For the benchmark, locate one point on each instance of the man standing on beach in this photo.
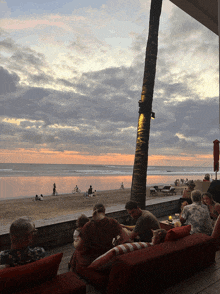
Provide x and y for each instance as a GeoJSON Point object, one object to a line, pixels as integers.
{"type": "Point", "coordinates": [145, 222]}
{"type": "Point", "coordinates": [54, 189]}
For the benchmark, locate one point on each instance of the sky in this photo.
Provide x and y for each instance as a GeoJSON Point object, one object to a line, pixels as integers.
{"type": "Point", "coordinates": [71, 75]}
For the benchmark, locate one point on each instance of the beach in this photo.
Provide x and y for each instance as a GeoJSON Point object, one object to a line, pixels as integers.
{"type": "Point", "coordinates": [18, 180]}
{"type": "Point", "coordinates": [64, 204]}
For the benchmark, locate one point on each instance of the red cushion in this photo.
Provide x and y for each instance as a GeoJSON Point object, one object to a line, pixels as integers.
{"type": "Point", "coordinates": [13, 279]}
{"type": "Point", "coordinates": [61, 284]}
{"type": "Point", "coordinates": [103, 261]}
{"type": "Point", "coordinates": [177, 233]}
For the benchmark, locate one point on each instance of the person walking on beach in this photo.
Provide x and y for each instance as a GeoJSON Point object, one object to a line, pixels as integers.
{"type": "Point", "coordinates": [90, 191]}
{"type": "Point", "coordinates": [122, 186]}
{"type": "Point", "coordinates": [22, 233]}
{"type": "Point", "coordinates": [145, 222]}
{"type": "Point", "coordinates": [54, 189]}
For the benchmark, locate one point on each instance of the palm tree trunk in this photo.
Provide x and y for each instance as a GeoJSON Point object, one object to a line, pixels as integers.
{"type": "Point", "coordinates": [138, 188]}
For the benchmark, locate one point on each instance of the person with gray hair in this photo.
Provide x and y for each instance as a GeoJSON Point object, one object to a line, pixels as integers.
{"type": "Point", "coordinates": [22, 233]}
{"type": "Point", "coordinates": [197, 215]}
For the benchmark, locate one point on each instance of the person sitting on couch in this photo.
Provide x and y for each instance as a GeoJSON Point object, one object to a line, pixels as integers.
{"type": "Point", "coordinates": [95, 238]}
{"type": "Point", "coordinates": [145, 222]}
{"type": "Point", "coordinates": [213, 207]}
{"type": "Point", "coordinates": [197, 215]}
{"type": "Point", "coordinates": [22, 232]}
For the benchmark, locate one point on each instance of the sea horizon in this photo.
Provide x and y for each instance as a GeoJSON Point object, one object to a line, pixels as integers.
{"type": "Point", "coordinates": [20, 180]}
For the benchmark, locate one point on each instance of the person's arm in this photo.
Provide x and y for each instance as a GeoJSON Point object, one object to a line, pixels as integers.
{"type": "Point", "coordinates": [133, 235]}
{"type": "Point", "coordinates": [182, 220]}
{"type": "Point", "coordinates": [131, 228]}
{"type": "Point", "coordinates": [217, 208]}
{"type": "Point", "coordinates": [183, 216]}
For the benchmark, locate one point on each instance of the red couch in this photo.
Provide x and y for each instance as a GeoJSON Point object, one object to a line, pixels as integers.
{"type": "Point", "coordinates": [40, 277]}
{"type": "Point", "coordinates": [153, 269]}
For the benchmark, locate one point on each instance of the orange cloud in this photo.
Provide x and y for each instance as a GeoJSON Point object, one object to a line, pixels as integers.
{"type": "Point", "coordinates": [73, 157]}
{"type": "Point", "coordinates": [181, 160]}
{"type": "Point", "coordinates": [49, 156]}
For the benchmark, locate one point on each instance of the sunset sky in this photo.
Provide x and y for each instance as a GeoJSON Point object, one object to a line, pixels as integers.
{"type": "Point", "coordinates": [71, 75]}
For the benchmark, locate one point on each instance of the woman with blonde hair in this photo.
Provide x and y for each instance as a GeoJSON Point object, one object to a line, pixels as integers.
{"type": "Point", "coordinates": [95, 238]}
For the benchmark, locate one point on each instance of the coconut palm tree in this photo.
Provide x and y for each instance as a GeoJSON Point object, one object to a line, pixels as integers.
{"type": "Point", "coordinates": [138, 188]}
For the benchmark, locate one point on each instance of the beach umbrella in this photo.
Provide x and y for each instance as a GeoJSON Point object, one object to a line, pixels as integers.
{"type": "Point", "coordinates": [138, 187]}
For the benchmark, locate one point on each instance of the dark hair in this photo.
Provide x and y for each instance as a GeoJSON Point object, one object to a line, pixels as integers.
{"type": "Point", "coordinates": [131, 205]}
{"type": "Point", "coordinates": [209, 195]}
{"type": "Point", "coordinates": [207, 177]}
{"type": "Point", "coordinates": [99, 207]}
{"type": "Point", "coordinates": [82, 220]}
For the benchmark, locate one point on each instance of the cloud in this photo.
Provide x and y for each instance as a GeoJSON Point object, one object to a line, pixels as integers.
{"type": "Point", "coordinates": [82, 94]}
{"type": "Point", "coordinates": [8, 82]}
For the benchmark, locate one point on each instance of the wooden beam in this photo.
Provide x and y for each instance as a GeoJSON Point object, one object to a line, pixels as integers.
{"type": "Point", "coordinates": [204, 11]}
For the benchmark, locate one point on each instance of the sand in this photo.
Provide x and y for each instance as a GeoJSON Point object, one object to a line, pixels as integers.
{"type": "Point", "coordinates": [54, 206]}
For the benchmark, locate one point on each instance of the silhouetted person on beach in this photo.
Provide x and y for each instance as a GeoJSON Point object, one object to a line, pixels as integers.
{"type": "Point", "coordinates": [90, 191]}
{"type": "Point", "coordinates": [54, 189]}
{"type": "Point", "coordinates": [122, 186]}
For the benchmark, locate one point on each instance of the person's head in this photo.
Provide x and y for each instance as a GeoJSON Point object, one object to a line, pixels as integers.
{"type": "Point", "coordinates": [22, 231]}
{"type": "Point", "coordinates": [158, 236]}
{"type": "Point", "coordinates": [133, 209]}
{"type": "Point", "coordinates": [207, 177]}
{"type": "Point", "coordinates": [196, 196]}
{"type": "Point", "coordinates": [82, 220]}
{"type": "Point", "coordinates": [207, 198]}
{"type": "Point", "coordinates": [98, 208]}
{"type": "Point", "coordinates": [191, 185]}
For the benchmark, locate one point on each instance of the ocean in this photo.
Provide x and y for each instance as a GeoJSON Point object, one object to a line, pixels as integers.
{"type": "Point", "coordinates": [27, 180]}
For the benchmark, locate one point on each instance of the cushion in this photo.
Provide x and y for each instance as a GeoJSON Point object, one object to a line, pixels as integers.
{"type": "Point", "coordinates": [177, 233]}
{"type": "Point", "coordinates": [104, 260]}
{"type": "Point", "coordinates": [13, 279]}
{"type": "Point", "coordinates": [62, 284]}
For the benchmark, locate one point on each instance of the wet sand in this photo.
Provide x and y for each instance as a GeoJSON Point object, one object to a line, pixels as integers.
{"type": "Point", "coordinates": [54, 206]}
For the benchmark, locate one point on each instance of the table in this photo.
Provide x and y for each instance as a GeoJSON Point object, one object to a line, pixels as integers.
{"type": "Point", "coordinates": [166, 225]}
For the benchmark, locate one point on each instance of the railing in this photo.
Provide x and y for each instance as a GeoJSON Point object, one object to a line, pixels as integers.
{"type": "Point", "coordinates": [59, 231]}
